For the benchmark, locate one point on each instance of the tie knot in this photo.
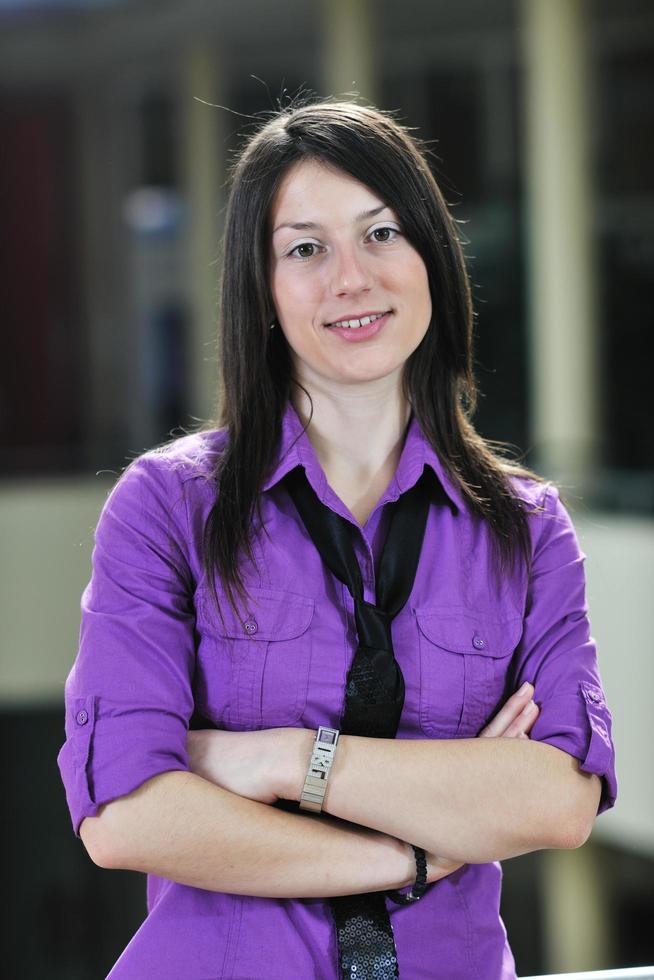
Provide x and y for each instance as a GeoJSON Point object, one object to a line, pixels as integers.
{"type": "Point", "coordinates": [373, 625]}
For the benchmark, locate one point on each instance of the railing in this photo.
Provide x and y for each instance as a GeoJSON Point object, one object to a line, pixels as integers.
{"type": "Point", "coordinates": [632, 973]}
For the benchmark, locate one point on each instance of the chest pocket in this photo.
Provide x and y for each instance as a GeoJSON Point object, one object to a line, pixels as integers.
{"type": "Point", "coordinates": [253, 672]}
{"type": "Point", "coordinates": [464, 661]}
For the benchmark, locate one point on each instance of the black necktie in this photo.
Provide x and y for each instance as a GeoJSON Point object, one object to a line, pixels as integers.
{"type": "Point", "coordinates": [374, 694]}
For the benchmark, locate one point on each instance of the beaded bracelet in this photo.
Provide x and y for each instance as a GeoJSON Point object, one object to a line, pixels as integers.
{"type": "Point", "coordinates": [420, 886]}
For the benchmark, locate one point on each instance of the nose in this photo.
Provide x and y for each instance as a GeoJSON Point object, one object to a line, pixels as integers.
{"type": "Point", "coordinates": [350, 271]}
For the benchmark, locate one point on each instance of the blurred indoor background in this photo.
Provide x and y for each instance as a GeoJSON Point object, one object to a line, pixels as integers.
{"type": "Point", "coordinates": [118, 121]}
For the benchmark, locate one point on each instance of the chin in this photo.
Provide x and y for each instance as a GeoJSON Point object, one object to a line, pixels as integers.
{"type": "Point", "coordinates": [369, 375]}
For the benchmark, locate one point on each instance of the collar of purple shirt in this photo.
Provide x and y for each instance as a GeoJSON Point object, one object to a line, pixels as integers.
{"type": "Point", "coordinates": [296, 449]}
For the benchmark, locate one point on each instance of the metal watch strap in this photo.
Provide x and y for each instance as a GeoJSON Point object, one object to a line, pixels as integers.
{"type": "Point", "coordinates": [322, 756]}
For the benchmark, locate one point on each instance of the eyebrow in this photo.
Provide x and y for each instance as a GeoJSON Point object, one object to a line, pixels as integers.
{"type": "Point", "coordinates": [314, 226]}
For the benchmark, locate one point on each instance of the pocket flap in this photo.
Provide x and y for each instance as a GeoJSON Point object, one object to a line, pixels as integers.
{"type": "Point", "coordinates": [270, 614]}
{"type": "Point", "coordinates": [465, 633]}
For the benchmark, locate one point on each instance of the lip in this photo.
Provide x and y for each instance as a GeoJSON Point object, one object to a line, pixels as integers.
{"type": "Point", "coordinates": [362, 333]}
{"type": "Point", "coordinates": [356, 316]}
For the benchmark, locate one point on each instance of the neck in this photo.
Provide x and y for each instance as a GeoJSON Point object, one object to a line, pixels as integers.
{"type": "Point", "coordinates": [358, 434]}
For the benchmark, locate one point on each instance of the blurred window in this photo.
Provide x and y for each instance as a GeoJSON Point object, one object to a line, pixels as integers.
{"type": "Point", "coordinates": [624, 120]}
{"type": "Point", "coordinates": [42, 343]}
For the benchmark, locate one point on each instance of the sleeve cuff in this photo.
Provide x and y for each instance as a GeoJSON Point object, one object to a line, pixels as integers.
{"type": "Point", "coordinates": [581, 726]}
{"type": "Point", "coordinates": [111, 749]}
{"type": "Point", "coordinates": [600, 757]}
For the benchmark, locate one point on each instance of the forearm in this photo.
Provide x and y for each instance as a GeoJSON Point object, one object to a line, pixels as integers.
{"type": "Point", "coordinates": [472, 800]}
{"type": "Point", "coordinates": [179, 826]}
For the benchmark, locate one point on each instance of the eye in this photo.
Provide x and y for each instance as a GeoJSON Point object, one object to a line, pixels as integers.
{"type": "Point", "coordinates": [388, 234]}
{"type": "Point", "coordinates": [303, 245]}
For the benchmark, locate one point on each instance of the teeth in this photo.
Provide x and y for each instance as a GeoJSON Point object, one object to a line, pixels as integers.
{"type": "Point", "coordinates": [355, 324]}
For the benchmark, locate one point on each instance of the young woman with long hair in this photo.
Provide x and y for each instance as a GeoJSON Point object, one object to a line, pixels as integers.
{"type": "Point", "coordinates": [335, 660]}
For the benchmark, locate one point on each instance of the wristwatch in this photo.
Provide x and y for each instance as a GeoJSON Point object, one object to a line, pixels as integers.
{"type": "Point", "coordinates": [322, 757]}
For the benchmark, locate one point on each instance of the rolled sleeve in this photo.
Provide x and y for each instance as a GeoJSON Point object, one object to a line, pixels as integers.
{"type": "Point", "coordinates": [129, 694]}
{"type": "Point", "coordinates": [558, 655]}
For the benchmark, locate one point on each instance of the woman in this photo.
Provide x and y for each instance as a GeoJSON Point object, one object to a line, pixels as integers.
{"type": "Point", "coordinates": [346, 360]}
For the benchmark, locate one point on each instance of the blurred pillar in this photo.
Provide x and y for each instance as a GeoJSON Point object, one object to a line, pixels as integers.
{"type": "Point", "coordinates": [563, 324]}
{"type": "Point", "coordinates": [348, 46]}
{"type": "Point", "coordinates": [577, 926]}
{"type": "Point", "coordinates": [202, 180]}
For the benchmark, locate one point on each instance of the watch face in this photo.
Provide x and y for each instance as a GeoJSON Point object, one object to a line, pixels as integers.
{"type": "Point", "coordinates": [326, 736]}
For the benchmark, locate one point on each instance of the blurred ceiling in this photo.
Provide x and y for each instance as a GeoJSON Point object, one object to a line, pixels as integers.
{"type": "Point", "coordinates": [61, 41]}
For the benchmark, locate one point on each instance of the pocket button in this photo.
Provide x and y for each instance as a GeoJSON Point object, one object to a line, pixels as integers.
{"type": "Point", "coordinates": [250, 626]}
{"type": "Point", "coordinates": [478, 642]}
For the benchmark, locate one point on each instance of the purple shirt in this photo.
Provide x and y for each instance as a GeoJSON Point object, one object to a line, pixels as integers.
{"type": "Point", "coordinates": [152, 648]}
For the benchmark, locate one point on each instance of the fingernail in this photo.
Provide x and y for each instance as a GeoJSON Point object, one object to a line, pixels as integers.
{"type": "Point", "coordinates": [525, 687]}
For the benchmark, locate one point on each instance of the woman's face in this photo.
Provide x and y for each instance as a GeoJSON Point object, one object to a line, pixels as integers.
{"type": "Point", "coordinates": [338, 253]}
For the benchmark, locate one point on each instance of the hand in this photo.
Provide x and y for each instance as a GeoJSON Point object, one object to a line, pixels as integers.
{"type": "Point", "coordinates": [514, 720]}
{"type": "Point", "coordinates": [251, 764]}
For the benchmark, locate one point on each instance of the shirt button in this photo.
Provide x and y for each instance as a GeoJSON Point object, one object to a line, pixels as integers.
{"type": "Point", "coordinates": [82, 717]}
{"type": "Point", "coordinates": [250, 626]}
{"type": "Point", "coordinates": [594, 696]}
{"type": "Point", "coordinates": [478, 643]}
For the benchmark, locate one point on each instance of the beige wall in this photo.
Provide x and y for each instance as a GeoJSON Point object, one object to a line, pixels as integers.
{"type": "Point", "coordinates": [46, 529]}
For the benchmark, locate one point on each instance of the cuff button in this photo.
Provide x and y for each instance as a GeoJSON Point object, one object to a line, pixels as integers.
{"type": "Point", "coordinates": [82, 717]}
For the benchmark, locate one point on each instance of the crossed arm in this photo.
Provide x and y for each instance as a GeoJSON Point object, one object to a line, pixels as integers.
{"type": "Point", "coordinates": [472, 800]}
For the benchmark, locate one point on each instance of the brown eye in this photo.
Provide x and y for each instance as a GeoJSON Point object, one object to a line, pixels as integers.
{"type": "Point", "coordinates": [386, 234]}
{"type": "Point", "coordinates": [303, 245]}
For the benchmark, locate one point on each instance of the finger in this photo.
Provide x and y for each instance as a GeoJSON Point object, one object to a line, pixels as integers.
{"type": "Point", "coordinates": [524, 721]}
{"type": "Point", "coordinates": [508, 713]}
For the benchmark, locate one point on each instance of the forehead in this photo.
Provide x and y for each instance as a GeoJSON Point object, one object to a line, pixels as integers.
{"type": "Point", "coordinates": [311, 183]}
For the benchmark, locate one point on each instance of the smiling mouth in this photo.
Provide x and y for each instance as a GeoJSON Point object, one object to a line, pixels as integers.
{"type": "Point", "coordinates": [355, 324]}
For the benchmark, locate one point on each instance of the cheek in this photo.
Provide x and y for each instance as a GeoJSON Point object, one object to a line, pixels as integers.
{"type": "Point", "coordinates": [409, 275]}
{"type": "Point", "coordinates": [419, 271]}
{"type": "Point", "coordinates": [427, 300]}
{"type": "Point", "coordinates": [422, 293]}
{"type": "Point", "coordinates": [294, 294]}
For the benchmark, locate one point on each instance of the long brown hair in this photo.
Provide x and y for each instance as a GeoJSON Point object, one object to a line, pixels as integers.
{"type": "Point", "coordinates": [255, 362]}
